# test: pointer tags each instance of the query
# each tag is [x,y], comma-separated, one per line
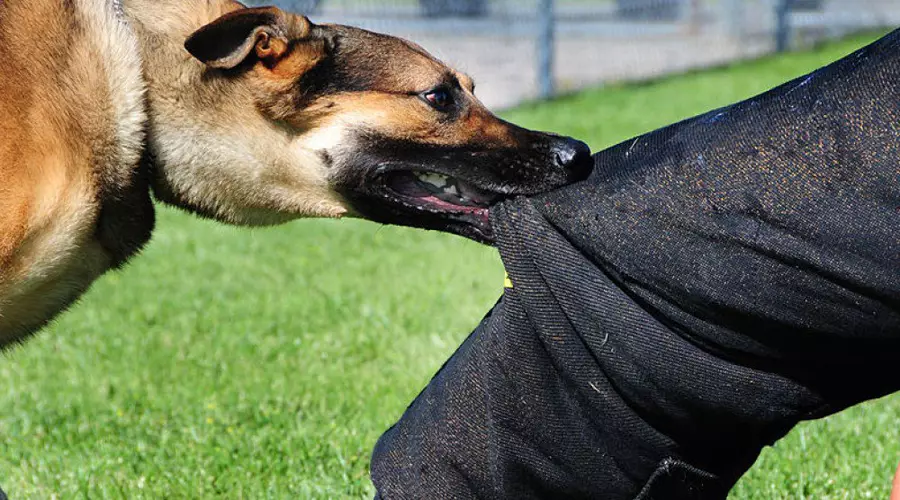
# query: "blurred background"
[520,50]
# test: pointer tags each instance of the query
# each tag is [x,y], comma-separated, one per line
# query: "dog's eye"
[439,99]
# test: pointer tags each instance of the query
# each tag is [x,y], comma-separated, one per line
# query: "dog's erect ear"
[263,32]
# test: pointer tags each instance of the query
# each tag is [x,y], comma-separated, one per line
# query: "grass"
[265,363]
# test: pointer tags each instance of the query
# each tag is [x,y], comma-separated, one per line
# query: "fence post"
[545,48]
[734,18]
[693,16]
[783,28]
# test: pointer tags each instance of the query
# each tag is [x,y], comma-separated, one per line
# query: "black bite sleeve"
[711,285]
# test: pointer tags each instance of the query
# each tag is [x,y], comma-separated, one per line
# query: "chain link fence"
[519,50]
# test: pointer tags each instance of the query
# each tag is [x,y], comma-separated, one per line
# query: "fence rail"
[527,49]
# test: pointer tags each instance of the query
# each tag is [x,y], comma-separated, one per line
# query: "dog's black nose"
[574,157]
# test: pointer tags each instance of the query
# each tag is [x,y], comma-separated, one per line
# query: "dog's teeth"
[451,189]
[436,180]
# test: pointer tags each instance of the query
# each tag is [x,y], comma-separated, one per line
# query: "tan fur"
[407,119]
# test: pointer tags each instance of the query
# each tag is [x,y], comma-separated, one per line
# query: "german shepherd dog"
[250,116]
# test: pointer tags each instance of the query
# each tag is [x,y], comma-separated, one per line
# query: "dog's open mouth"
[428,195]
[440,194]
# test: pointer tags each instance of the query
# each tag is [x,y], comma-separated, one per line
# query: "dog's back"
[71,121]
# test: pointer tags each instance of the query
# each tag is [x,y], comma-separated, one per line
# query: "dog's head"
[391,133]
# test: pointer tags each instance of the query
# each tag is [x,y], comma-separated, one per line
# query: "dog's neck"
[161,27]
[210,148]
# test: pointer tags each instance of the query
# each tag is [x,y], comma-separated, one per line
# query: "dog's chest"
[58,260]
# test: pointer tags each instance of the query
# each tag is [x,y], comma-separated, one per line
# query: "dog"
[249,116]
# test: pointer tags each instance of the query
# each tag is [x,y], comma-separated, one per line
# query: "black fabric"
[711,285]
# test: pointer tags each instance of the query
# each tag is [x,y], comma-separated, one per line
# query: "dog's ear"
[263,32]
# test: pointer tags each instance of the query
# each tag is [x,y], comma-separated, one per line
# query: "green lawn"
[265,363]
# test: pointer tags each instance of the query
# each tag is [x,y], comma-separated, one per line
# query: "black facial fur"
[363,169]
